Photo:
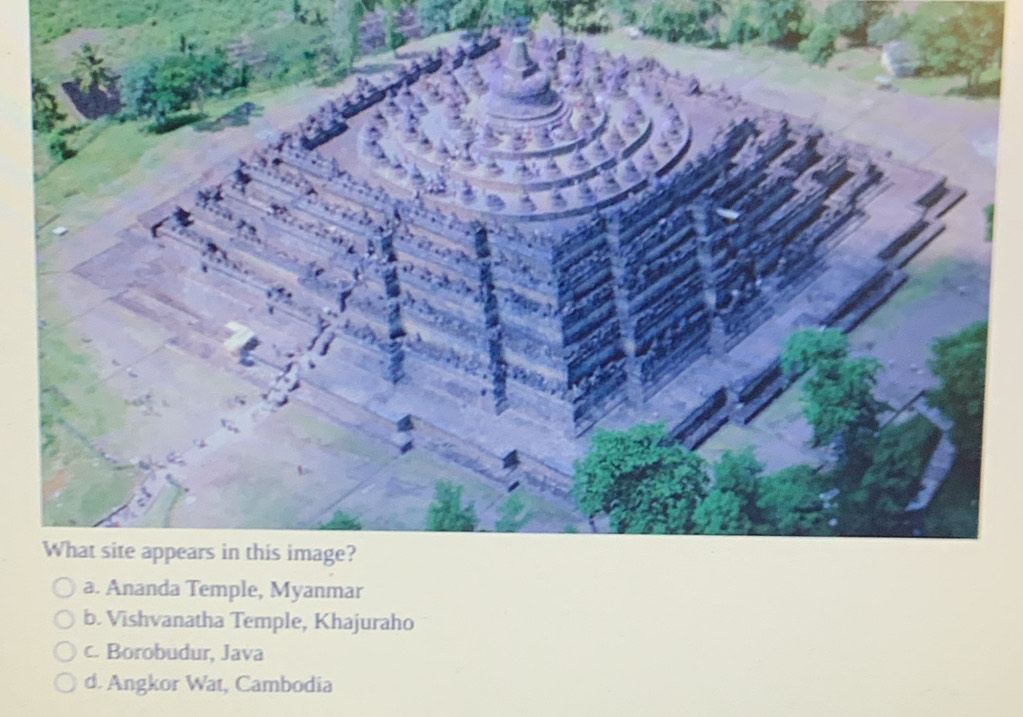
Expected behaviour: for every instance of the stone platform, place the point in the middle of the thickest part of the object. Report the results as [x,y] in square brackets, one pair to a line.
[509,243]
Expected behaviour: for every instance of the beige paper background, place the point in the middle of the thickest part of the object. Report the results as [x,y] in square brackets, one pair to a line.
[560,625]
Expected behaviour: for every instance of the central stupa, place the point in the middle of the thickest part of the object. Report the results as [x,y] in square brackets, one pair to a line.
[522,93]
[527,140]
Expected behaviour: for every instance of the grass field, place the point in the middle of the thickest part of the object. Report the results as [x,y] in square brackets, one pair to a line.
[80,485]
[159,22]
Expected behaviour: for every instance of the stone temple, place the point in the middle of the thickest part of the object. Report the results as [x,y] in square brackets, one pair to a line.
[509,242]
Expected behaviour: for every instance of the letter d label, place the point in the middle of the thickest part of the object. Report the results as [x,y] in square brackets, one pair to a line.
[90,682]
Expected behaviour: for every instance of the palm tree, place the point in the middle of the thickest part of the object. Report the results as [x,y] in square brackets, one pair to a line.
[89,71]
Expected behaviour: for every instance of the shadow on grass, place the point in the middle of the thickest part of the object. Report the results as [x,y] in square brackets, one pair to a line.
[991,88]
[372,68]
[405,54]
[330,79]
[953,512]
[236,117]
[174,122]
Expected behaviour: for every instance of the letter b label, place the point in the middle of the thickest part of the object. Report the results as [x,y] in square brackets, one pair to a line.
[89,618]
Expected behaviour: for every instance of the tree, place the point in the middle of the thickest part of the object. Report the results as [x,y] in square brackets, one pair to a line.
[589,16]
[838,396]
[210,73]
[446,512]
[741,23]
[89,70]
[512,515]
[959,362]
[434,15]
[158,88]
[877,505]
[885,29]
[730,507]
[959,38]
[806,349]
[791,503]
[58,148]
[46,113]
[854,18]
[342,521]
[624,10]
[847,17]
[467,14]
[819,46]
[780,21]
[504,12]
[561,11]
[345,26]
[680,20]
[135,87]
[642,479]
[392,36]
[173,88]
[989,222]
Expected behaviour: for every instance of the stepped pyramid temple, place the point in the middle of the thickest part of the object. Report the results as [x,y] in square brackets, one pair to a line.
[511,241]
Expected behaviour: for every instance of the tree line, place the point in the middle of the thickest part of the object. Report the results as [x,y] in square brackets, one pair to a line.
[322,41]
[449,513]
[643,481]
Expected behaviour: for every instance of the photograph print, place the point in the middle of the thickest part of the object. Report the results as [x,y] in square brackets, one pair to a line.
[550,266]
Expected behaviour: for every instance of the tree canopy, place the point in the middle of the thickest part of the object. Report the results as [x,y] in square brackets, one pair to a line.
[744,501]
[886,28]
[342,521]
[838,396]
[159,87]
[790,503]
[730,506]
[681,20]
[959,362]
[435,15]
[642,479]
[512,514]
[853,18]
[780,21]
[447,514]
[90,70]
[344,27]
[876,505]
[959,38]
[819,46]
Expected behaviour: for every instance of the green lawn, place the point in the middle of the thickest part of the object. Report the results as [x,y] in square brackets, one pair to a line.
[925,278]
[159,513]
[925,85]
[71,388]
[103,156]
[80,486]
[162,22]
